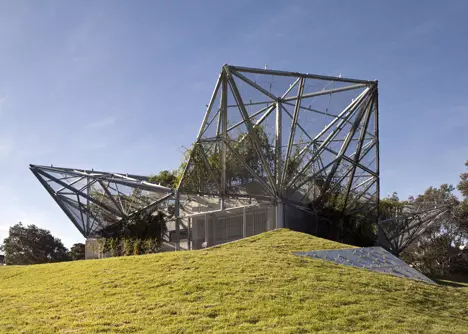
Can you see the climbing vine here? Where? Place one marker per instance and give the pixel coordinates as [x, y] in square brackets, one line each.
[142, 233]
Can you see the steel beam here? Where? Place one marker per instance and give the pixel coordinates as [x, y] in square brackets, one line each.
[325, 92]
[296, 74]
[349, 112]
[266, 186]
[292, 133]
[278, 147]
[251, 131]
[254, 85]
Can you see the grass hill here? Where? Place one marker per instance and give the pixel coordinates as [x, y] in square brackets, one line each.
[251, 285]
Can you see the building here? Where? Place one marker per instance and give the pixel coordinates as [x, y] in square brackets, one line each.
[272, 147]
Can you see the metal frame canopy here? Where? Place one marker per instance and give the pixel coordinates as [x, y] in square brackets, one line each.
[287, 137]
[399, 232]
[273, 136]
[94, 200]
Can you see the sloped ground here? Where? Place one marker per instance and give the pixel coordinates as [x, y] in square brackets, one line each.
[255, 284]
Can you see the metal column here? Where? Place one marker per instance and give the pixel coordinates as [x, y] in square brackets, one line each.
[207, 238]
[244, 223]
[224, 122]
[189, 233]
[279, 166]
[377, 148]
[278, 148]
[279, 215]
[177, 215]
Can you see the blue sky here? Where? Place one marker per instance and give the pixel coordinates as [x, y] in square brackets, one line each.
[122, 85]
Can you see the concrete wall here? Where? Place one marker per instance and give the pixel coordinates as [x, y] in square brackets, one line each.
[92, 250]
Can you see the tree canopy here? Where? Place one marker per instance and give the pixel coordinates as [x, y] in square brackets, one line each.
[441, 248]
[77, 252]
[165, 178]
[32, 245]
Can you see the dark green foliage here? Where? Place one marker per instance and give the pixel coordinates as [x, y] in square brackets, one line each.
[439, 250]
[356, 227]
[199, 178]
[336, 223]
[32, 245]
[165, 178]
[462, 209]
[354, 224]
[463, 185]
[202, 178]
[141, 234]
[77, 252]
[437, 255]
[391, 206]
[461, 214]
[244, 146]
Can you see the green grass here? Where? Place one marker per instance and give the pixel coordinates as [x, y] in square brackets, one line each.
[255, 284]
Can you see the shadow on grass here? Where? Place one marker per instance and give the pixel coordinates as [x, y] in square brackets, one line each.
[456, 281]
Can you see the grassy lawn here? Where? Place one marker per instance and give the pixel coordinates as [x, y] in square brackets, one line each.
[255, 284]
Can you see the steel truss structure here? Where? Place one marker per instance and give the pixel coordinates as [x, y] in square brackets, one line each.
[93, 200]
[287, 137]
[399, 232]
[267, 137]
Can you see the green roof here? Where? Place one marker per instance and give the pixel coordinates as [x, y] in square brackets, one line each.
[255, 284]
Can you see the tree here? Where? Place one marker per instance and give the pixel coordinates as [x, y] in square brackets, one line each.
[77, 252]
[32, 245]
[204, 172]
[438, 249]
[463, 185]
[440, 246]
[165, 178]
[462, 209]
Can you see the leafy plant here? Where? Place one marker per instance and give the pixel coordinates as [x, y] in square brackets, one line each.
[142, 233]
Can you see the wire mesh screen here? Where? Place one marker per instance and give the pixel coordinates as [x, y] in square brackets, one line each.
[370, 258]
[297, 137]
[224, 226]
[95, 201]
[408, 223]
